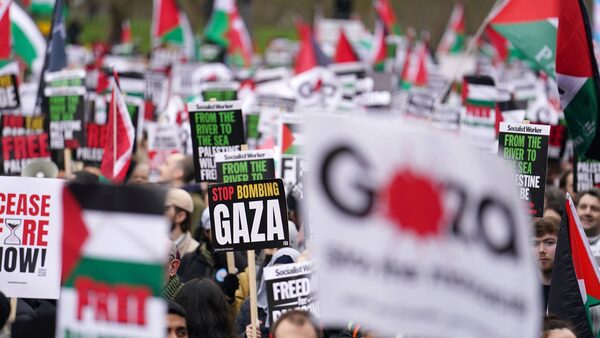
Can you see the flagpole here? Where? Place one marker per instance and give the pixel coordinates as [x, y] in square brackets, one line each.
[469, 49]
[114, 107]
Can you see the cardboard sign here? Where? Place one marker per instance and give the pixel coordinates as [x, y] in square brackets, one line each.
[586, 174]
[9, 92]
[30, 232]
[65, 107]
[216, 128]
[399, 269]
[291, 287]
[163, 140]
[245, 166]
[65, 78]
[113, 262]
[248, 215]
[526, 147]
[23, 140]
[291, 143]
[96, 136]
[220, 91]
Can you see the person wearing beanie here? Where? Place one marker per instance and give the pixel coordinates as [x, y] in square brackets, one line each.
[178, 209]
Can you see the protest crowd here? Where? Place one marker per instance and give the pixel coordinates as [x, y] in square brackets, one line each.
[352, 182]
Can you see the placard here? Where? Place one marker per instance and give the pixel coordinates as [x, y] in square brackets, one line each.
[220, 91]
[92, 150]
[291, 142]
[248, 215]
[420, 238]
[30, 237]
[291, 287]
[23, 140]
[9, 92]
[113, 262]
[65, 107]
[526, 147]
[586, 174]
[216, 127]
[245, 166]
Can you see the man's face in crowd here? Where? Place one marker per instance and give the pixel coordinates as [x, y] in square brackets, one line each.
[176, 327]
[561, 333]
[170, 170]
[544, 248]
[588, 210]
[286, 329]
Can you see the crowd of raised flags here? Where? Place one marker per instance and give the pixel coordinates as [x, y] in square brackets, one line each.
[530, 62]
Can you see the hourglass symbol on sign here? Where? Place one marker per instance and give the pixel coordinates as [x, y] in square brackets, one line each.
[13, 224]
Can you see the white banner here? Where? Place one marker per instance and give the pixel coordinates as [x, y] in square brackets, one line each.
[30, 237]
[416, 233]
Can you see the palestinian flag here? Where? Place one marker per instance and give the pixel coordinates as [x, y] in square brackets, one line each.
[344, 53]
[227, 29]
[28, 44]
[126, 35]
[575, 290]
[119, 148]
[380, 47]
[453, 40]
[531, 26]
[416, 68]
[577, 78]
[385, 13]
[292, 140]
[170, 26]
[113, 255]
[310, 54]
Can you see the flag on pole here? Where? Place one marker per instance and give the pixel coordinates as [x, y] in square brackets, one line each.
[170, 26]
[126, 35]
[118, 149]
[575, 290]
[344, 52]
[310, 54]
[453, 40]
[385, 13]
[531, 26]
[416, 67]
[227, 29]
[380, 48]
[27, 40]
[577, 78]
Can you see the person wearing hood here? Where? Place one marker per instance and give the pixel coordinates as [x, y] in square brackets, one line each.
[242, 320]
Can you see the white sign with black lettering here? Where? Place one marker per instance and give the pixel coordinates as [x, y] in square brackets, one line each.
[289, 287]
[417, 233]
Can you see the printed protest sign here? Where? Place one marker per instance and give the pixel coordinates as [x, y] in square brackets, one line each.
[216, 127]
[401, 242]
[291, 287]
[96, 136]
[248, 215]
[586, 174]
[291, 142]
[30, 232]
[163, 140]
[114, 253]
[526, 147]
[9, 92]
[245, 166]
[220, 91]
[23, 140]
[65, 78]
[65, 107]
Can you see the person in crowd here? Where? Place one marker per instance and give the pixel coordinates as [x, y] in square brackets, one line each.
[208, 314]
[4, 312]
[178, 209]
[555, 327]
[173, 283]
[177, 171]
[242, 320]
[139, 174]
[176, 321]
[588, 209]
[205, 263]
[565, 183]
[543, 244]
[296, 323]
[554, 201]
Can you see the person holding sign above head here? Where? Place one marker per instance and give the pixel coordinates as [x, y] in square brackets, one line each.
[178, 209]
[588, 210]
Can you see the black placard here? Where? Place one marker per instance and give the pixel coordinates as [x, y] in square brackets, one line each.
[65, 107]
[526, 147]
[248, 216]
[23, 140]
[9, 92]
[216, 127]
[586, 174]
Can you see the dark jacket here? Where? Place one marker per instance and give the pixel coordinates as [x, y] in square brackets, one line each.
[243, 319]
